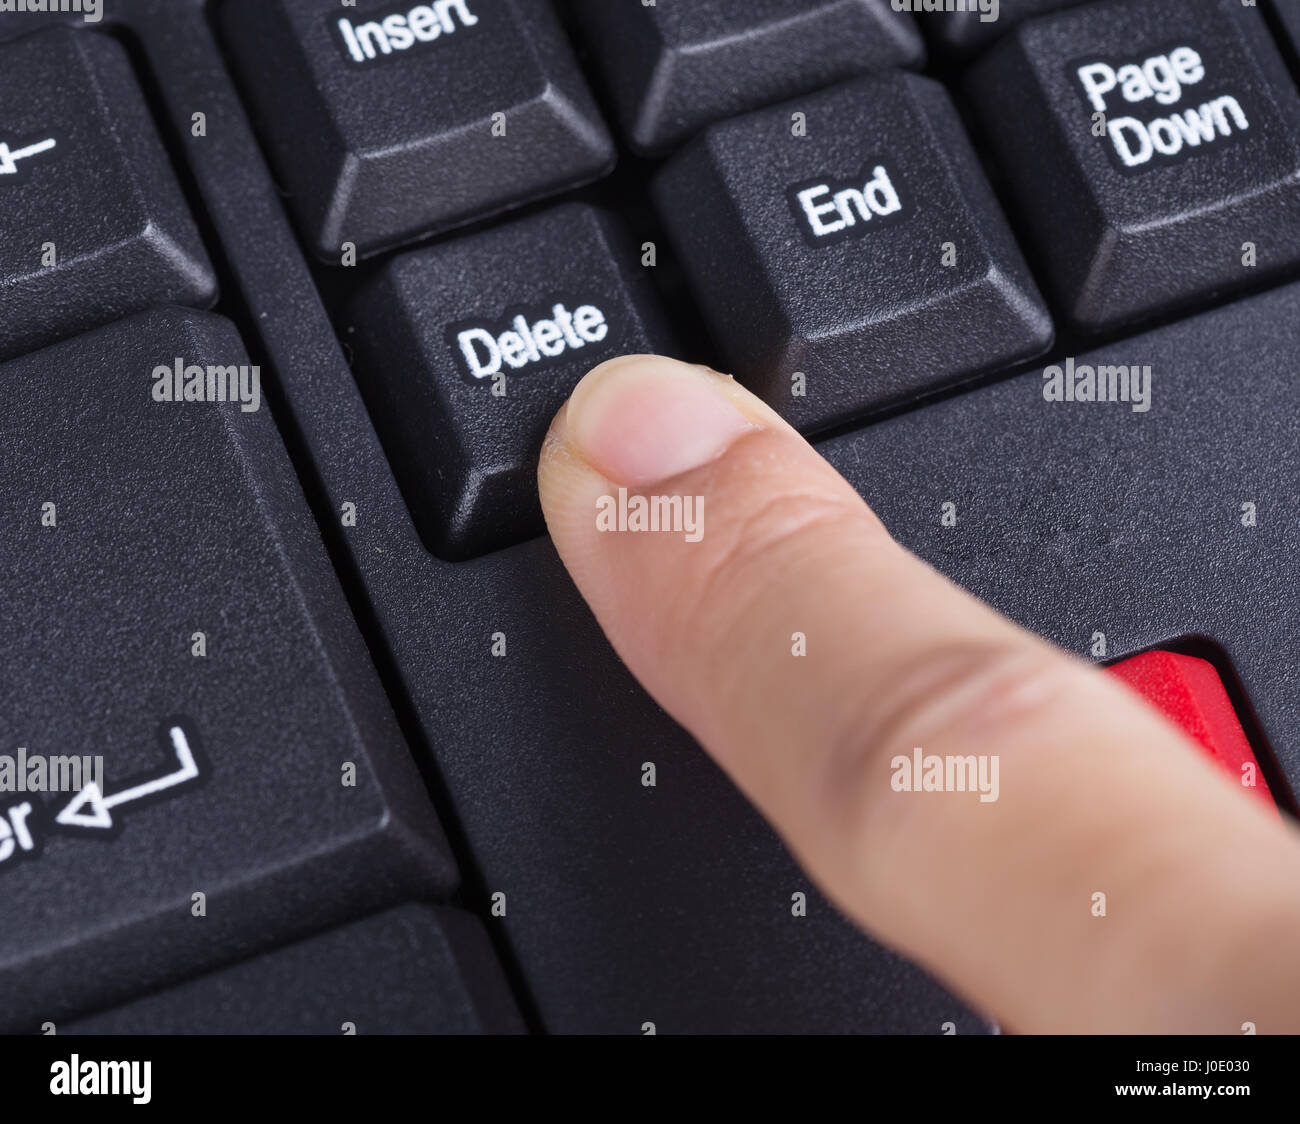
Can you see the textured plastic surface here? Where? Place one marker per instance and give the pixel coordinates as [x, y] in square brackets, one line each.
[104, 195]
[465, 446]
[966, 33]
[1288, 12]
[1079, 519]
[1189, 692]
[1119, 243]
[896, 305]
[672, 68]
[672, 905]
[405, 144]
[170, 520]
[412, 970]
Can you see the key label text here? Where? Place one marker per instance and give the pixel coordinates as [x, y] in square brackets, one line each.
[9, 157]
[482, 349]
[392, 35]
[829, 210]
[1164, 79]
[94, 811]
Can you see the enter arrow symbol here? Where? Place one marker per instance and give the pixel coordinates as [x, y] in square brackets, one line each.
[9, 159]
[90, 808]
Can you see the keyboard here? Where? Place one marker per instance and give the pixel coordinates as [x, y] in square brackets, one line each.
[306, 730]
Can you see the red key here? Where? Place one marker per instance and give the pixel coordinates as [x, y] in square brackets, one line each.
[1189, 692]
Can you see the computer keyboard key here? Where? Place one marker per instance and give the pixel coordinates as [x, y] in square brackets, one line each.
[388, 122]
[673, 67]
[848, 252]
[967, 32]
[93, 225]
[1153, 149]
[465, 351]
[1189, 692]
[210, 765]
[415, 969]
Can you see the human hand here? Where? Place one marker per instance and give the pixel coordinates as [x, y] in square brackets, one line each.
[1097, 792]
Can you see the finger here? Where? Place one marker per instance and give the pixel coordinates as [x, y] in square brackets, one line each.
[1097, 794]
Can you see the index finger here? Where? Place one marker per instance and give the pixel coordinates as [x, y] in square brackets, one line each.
[1096, 793]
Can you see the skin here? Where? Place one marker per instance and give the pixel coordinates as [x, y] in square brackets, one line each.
[1098, 793]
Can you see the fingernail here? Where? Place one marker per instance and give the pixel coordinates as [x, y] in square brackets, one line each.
[641, 419]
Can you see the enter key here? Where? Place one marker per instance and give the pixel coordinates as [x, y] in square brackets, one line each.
[1188, 691]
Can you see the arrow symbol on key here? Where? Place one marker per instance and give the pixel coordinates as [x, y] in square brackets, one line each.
[9, 158]
[91, 809]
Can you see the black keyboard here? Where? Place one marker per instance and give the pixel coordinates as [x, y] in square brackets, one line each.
[296, 693]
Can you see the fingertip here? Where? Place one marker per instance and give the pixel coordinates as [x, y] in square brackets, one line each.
[642, 419]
